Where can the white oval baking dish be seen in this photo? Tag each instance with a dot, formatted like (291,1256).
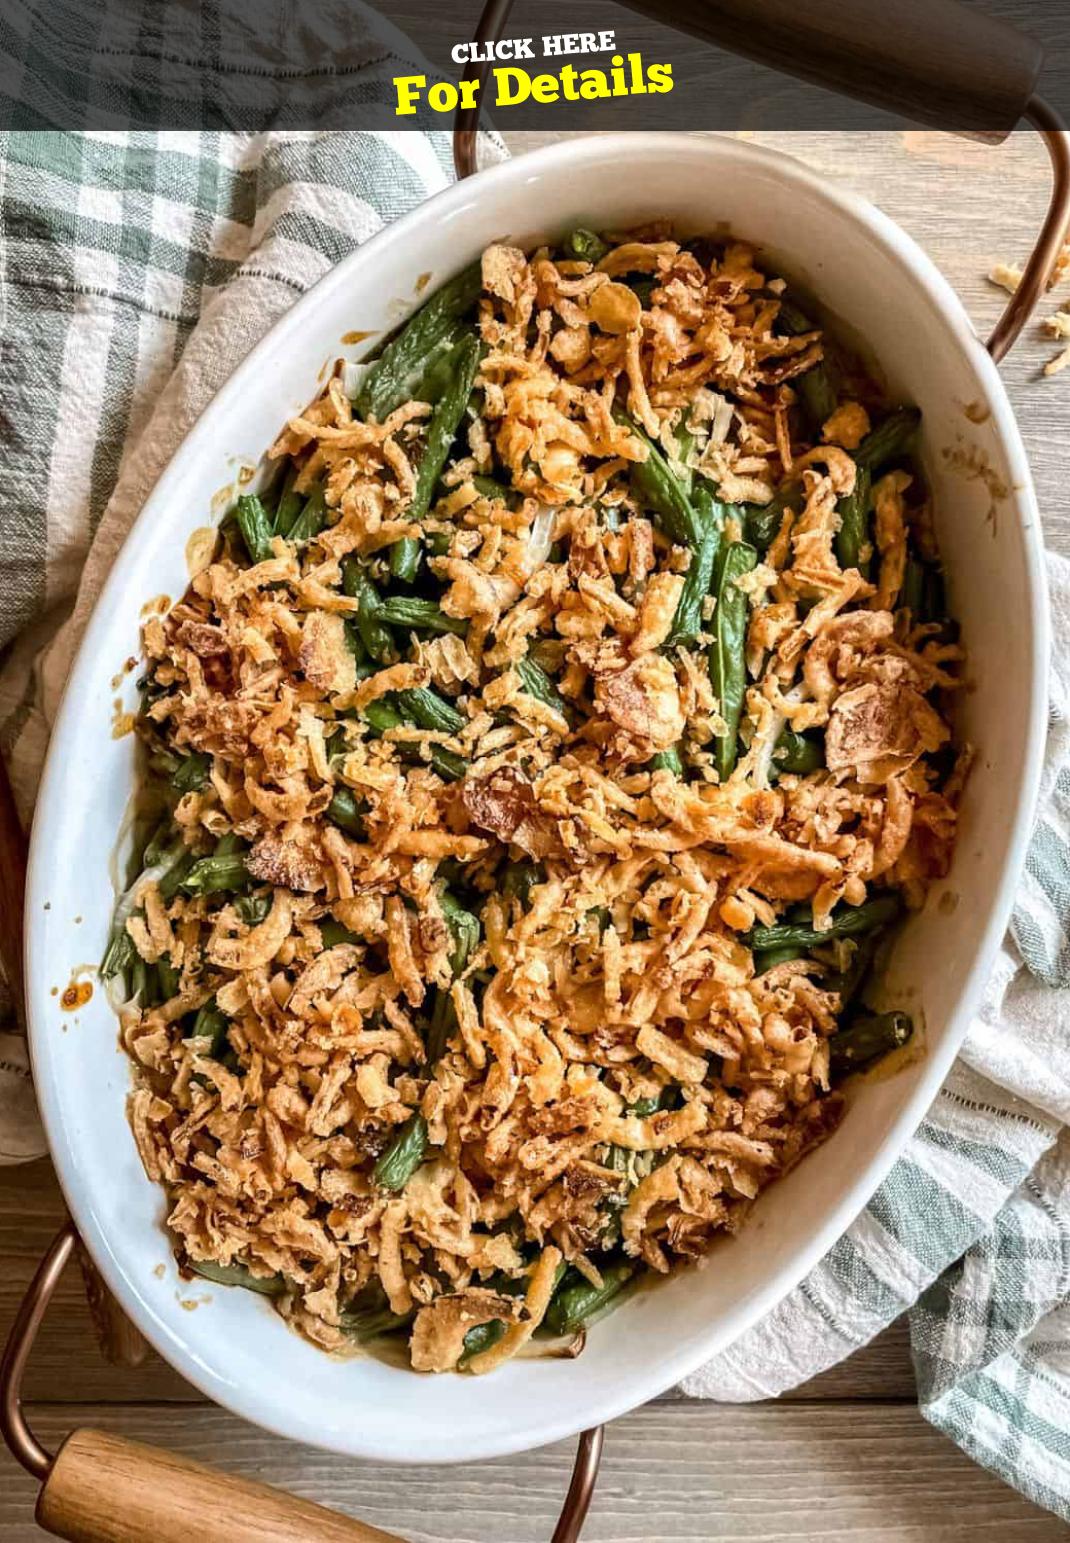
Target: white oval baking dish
(885,290)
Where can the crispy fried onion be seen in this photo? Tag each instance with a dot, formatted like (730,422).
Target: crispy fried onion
(445,972)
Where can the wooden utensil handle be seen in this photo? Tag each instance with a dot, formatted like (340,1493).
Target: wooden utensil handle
(938,62)
(105,1489)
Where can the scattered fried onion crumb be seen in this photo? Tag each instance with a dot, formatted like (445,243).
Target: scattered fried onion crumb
(603,1071)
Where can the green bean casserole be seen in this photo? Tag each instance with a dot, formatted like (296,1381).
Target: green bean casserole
(532,773)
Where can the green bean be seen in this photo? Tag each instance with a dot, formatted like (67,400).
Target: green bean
(490,488)
(577,1306)
(848,983)
(464,927)
(688,621)
(442,1025)
(163,763)
(212,875)
(403,1156)
(392,379)
(175,866)
(345,810)
(373,1323)
(420,615)
(381,716)
(641,285)
(368,1315)
(255,527)
(289,505)
(436,377)
(774,956)
(846,921)
(685,443)
(934,604)
(483,1336)
(445,421)
(139,980)
(465,931)
(311,520)
(165,836)
(601,916)
(538,684)
(377,639)
(168,977)
(170,882)
(798,753)
(152,992)
(934,607)
(761,522)
(658,489)
(332,933)
(912,589)
(645,1107)
(428,710)
(119,955)
(889,440)
(816,390)
(727,662)
(207,1021)
(865,1040)
(405,558)
(448,764)
(239,1275)
(363,664)
(211,1024)
(585,246)
(253,909)
(853,534)
(520,878)
(191,772)
(667,760)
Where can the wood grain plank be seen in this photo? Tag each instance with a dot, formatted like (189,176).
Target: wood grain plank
(871,1474)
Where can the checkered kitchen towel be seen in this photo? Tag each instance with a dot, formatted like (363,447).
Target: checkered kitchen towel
(137,273)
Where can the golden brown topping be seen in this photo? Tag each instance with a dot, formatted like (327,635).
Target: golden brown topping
(452,983)
(644,699)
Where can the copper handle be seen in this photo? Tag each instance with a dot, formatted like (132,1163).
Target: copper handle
(104,1489)
(1038,270)
(1043,118)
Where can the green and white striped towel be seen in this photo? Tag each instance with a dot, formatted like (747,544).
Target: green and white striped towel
(137,272)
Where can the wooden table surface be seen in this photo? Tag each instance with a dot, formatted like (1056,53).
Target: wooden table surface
(847,1455)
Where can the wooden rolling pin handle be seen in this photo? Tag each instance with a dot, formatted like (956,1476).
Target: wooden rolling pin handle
(105,1489)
